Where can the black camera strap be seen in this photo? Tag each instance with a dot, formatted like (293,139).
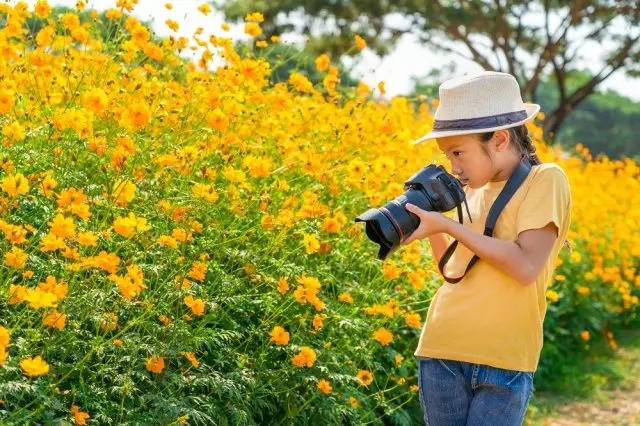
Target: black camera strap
(513,183)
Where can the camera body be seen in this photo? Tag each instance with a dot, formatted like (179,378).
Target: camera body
(431,189)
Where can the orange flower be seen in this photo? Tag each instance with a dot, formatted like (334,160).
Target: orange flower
(360,43)
(283,286)
(279,335)
(584,335)
(196,305)
(345,297)
(155,364)
(192,359)
(306,356)
(79,417)
(55,319)
(383,336)
(324,386)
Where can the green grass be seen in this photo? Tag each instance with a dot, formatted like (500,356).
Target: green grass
(595,381)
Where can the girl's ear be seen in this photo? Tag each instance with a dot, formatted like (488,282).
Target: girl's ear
(501,139)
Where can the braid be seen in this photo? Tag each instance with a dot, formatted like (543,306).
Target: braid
(524,143)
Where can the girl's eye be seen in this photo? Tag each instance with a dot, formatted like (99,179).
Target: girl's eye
(456,153)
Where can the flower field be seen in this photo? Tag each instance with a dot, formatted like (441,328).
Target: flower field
(178,246)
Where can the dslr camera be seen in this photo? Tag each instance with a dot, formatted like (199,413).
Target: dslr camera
(431,189)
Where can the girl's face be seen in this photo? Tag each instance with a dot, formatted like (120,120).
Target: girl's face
(473,162)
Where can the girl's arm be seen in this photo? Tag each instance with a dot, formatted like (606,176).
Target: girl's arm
(439,244)
(522,259)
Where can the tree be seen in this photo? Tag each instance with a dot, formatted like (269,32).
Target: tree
(525,38)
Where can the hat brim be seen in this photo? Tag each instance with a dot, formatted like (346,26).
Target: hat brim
(532,111)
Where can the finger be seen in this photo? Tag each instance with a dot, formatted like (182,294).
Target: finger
(413,209)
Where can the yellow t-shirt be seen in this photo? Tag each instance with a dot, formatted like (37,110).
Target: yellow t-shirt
(488,317)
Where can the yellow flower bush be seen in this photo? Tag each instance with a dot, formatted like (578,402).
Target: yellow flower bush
(171,232)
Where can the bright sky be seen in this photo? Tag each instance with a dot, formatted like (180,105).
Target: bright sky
(410,58)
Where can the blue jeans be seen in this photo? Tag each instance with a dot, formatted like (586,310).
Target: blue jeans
(455,393)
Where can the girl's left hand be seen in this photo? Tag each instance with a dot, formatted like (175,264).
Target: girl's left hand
(430,223)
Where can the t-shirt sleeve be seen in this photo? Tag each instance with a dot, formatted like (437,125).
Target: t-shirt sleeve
(547,200)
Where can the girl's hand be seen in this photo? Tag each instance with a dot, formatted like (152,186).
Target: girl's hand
(430,223)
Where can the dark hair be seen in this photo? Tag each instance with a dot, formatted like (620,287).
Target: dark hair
(524,144)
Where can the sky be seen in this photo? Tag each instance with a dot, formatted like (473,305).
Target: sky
(410,57)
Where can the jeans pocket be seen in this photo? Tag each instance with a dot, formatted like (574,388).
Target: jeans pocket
(444,364)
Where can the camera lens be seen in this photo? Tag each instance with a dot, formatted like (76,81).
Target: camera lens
(391,224)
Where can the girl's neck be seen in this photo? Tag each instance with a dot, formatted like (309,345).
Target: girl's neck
(500,178)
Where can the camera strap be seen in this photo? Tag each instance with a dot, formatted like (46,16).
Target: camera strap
(513,183)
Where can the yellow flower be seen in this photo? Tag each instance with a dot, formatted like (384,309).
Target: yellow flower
(168,6)
(306,357)
(584,335)
(311,243)
(62,227)
(254,17)
(87,238)
(364,377)
(42,9)
(552,296)
(253,29)
(383,336)
(13,131)
(324,386)
(34,366)
(353,402)
(7,101)
(16,258)
(4,337)
(15,185)
(205,9)
(322,62)
(225,27)
(360,43)
(155,364)
(279,335)
(166,240)
(173,25)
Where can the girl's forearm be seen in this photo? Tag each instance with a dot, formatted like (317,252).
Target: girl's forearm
(505,255)
(439,244)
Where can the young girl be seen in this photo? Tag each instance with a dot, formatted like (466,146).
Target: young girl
(481,343)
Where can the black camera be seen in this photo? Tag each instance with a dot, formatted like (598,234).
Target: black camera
(431,189)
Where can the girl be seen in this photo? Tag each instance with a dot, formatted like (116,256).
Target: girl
(481,342)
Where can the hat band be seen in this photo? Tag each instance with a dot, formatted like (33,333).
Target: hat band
(480,122)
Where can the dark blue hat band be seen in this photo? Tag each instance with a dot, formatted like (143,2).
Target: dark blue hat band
(481,122)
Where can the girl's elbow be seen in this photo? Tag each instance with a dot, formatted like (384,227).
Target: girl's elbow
(528,276)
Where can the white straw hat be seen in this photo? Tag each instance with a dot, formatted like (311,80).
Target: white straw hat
(478,103)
